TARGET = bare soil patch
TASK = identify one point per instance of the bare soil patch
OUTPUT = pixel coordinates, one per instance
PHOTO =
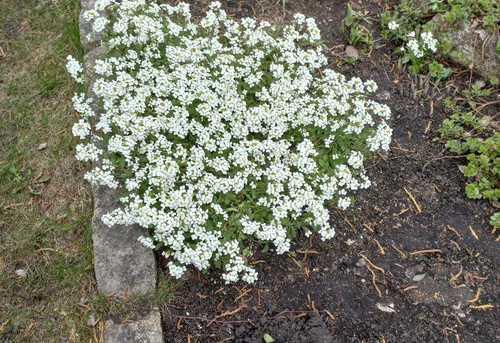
(412, 261)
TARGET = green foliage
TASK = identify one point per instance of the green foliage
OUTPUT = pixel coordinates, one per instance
(414, 13)
(477, 90)
(438, 71)
(268, 338)
(473, 136)
(128, 308)
(415, 16)
(354, 28)
(45, 210)
(495, 220)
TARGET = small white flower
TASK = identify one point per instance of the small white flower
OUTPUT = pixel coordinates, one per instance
(344, 203)
(355, 159)
(175, 270)
(147, 242)
(429, 41)
(414, 47)
(393, 25)
(74, 69)
(87, 152)
(99, 24)
(300, 19)
(81, 129)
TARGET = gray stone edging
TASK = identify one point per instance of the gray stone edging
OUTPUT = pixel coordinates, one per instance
(122, 265)
(145, 330)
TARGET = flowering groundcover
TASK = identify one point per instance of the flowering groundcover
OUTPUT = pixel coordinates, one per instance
(222, 136)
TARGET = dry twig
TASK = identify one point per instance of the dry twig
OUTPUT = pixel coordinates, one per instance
(414, 201)
(473, 233)
(484, 307)
(426, 251)
(476, 297)
(372, 264)
(380, 248)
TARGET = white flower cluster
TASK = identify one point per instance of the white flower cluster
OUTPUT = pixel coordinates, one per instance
(222, 134)
(74, 69)
(393, 25)
(418, 47)
(429, 41)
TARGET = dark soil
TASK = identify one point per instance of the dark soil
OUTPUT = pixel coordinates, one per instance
(399, 269)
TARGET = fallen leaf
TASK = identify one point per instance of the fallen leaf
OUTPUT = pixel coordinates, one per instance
(389, 308)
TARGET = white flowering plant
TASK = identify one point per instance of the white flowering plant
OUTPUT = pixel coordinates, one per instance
(221, 136)
(417, 46)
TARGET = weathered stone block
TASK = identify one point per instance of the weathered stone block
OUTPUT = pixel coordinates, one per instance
(471, 46)
(122, 264)
(146, 330)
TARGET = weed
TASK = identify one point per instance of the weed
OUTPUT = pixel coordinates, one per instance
(476, 138)
(132, 306)
(410, 19)
(354, 26)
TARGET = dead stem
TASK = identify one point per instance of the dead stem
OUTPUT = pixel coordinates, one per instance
(403, 255)
(455, 277)
(412, 198)
(243, 294)
(380, 248)
(227, 313)
(484, 307)
(473, 233)
(374, 281)
(372, 264)
(476, 297)
(452, 229)
(426, 251)
(406, 289)
(329, 314)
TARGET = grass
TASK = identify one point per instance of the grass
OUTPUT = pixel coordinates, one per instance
(45, 208)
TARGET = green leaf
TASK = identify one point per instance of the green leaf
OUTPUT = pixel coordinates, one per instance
(471, 170)
(473, 144)
(349, 18)
(438, 71)
(484, 161)
(492, 194)
(495, 220)
(472, 191)
(455, 146)
(268, 338)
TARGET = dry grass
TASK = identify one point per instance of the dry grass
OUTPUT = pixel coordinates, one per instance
(47, 287)
(44, 206)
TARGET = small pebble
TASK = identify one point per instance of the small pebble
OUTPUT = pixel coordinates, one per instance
(385, 95)
(389, 308)
(410, 272)
(21, 272)
(418, 277)
(42, 146)
(351, 52)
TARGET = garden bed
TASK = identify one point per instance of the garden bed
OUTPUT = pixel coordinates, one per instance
(412, 261)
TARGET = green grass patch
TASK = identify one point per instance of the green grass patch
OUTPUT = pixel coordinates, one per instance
(46, 279)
